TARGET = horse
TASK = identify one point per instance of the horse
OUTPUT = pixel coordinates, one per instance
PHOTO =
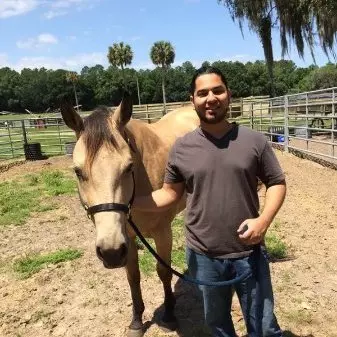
(115, 158)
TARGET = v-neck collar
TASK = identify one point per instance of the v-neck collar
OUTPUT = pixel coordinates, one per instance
(216, 140)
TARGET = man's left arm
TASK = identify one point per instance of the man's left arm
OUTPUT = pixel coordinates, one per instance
(257, 228)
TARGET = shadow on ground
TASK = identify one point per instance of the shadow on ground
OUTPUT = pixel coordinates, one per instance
(189, 313)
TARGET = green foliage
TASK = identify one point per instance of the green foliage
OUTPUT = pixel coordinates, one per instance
(276, 248)
(17, 202)
(320, 78)
(38, 90)
(18, 199)
(120, 55)
(30, 265)
(162, 54)
(56, 183)
(300, 21)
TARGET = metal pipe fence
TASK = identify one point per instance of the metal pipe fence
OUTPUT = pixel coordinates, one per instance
(304, 122)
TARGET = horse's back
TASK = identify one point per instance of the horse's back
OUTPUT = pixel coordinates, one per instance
(176, 124)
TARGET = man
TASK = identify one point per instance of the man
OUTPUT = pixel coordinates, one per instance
(218, 165)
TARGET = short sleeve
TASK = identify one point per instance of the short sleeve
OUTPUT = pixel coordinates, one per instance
(270, 171)
(172, 171)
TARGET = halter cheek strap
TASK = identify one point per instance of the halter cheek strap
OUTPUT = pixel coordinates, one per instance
(112, 206)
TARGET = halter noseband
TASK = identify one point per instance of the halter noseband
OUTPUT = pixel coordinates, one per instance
(112, 206)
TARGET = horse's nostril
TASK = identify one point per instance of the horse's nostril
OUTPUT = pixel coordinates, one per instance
(99, 253)
(123, 250)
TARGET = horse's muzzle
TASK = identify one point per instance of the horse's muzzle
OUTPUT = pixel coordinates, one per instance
(113, 258)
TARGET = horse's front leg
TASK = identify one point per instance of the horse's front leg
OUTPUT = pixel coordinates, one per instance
(133, 275)
(164, 246)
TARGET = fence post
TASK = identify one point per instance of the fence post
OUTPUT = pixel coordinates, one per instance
(24, 131)
(286, 123)
(59, 132)
(251, 114)
(333, 123)
(10, 138)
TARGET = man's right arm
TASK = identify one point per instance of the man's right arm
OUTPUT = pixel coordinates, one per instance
(160, 200)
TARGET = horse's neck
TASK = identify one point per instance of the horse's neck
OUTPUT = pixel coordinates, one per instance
(143, 137)
(150, 154)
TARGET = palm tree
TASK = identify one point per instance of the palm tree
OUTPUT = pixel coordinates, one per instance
(298, 21)
(120, 55)
(72, 77)
(162, 54)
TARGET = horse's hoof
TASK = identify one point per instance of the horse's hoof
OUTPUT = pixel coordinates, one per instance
(135, 333)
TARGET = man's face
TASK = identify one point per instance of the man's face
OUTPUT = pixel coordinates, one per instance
(210, 98)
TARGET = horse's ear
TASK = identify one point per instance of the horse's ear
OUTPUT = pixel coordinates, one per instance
(72, 119)
(124, 111)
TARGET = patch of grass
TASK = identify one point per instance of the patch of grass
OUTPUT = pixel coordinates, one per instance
(46, 207)
(178, 251)
(18, 199)
(147, 262)
(30, 265)
(16, 202)
(299, 316)
(56, 183)
(276, 248)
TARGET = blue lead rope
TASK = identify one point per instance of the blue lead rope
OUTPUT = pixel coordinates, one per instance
(186, 278)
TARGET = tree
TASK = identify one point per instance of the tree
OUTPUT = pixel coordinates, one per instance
(320, 78)
(120, 55)
(299, 21)
(162, 54)
(72, 77)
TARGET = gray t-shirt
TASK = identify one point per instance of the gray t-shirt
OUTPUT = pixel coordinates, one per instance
(220, 178)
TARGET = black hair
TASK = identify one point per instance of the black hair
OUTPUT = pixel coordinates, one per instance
(207, 70)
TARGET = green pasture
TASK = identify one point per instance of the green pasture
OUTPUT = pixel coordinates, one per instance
(32, 193)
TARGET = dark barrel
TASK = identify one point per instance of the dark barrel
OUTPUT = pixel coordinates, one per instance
(33, 151)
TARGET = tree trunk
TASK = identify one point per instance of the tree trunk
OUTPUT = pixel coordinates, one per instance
(138, 90)
(163, 88)
(265, 36)
(124, 79)
(76, 99)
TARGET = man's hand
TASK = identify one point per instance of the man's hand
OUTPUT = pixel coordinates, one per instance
(252, 231)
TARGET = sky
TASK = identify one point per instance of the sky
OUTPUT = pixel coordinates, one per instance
(71, 34)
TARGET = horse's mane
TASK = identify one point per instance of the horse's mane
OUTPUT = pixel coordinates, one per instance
(97, 131)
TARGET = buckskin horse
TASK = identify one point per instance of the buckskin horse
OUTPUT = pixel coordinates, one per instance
(115, 158)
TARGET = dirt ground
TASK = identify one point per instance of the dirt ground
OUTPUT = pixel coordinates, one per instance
(81, 299)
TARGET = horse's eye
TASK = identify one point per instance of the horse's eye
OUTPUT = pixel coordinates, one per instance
(78, 173)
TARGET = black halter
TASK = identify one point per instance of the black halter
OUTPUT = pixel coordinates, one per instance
(112, 206)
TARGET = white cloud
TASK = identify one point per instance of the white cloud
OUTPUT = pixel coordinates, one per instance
(10, 8)
(37, 42)
(53, 8)
(53, 14)
(67, 3)
(74, 63)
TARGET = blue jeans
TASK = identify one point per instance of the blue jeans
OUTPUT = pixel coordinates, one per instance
(255, 297)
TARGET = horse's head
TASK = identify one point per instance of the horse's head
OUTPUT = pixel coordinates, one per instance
(103, 164)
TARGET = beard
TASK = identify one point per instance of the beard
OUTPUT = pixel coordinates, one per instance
(217, 118)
